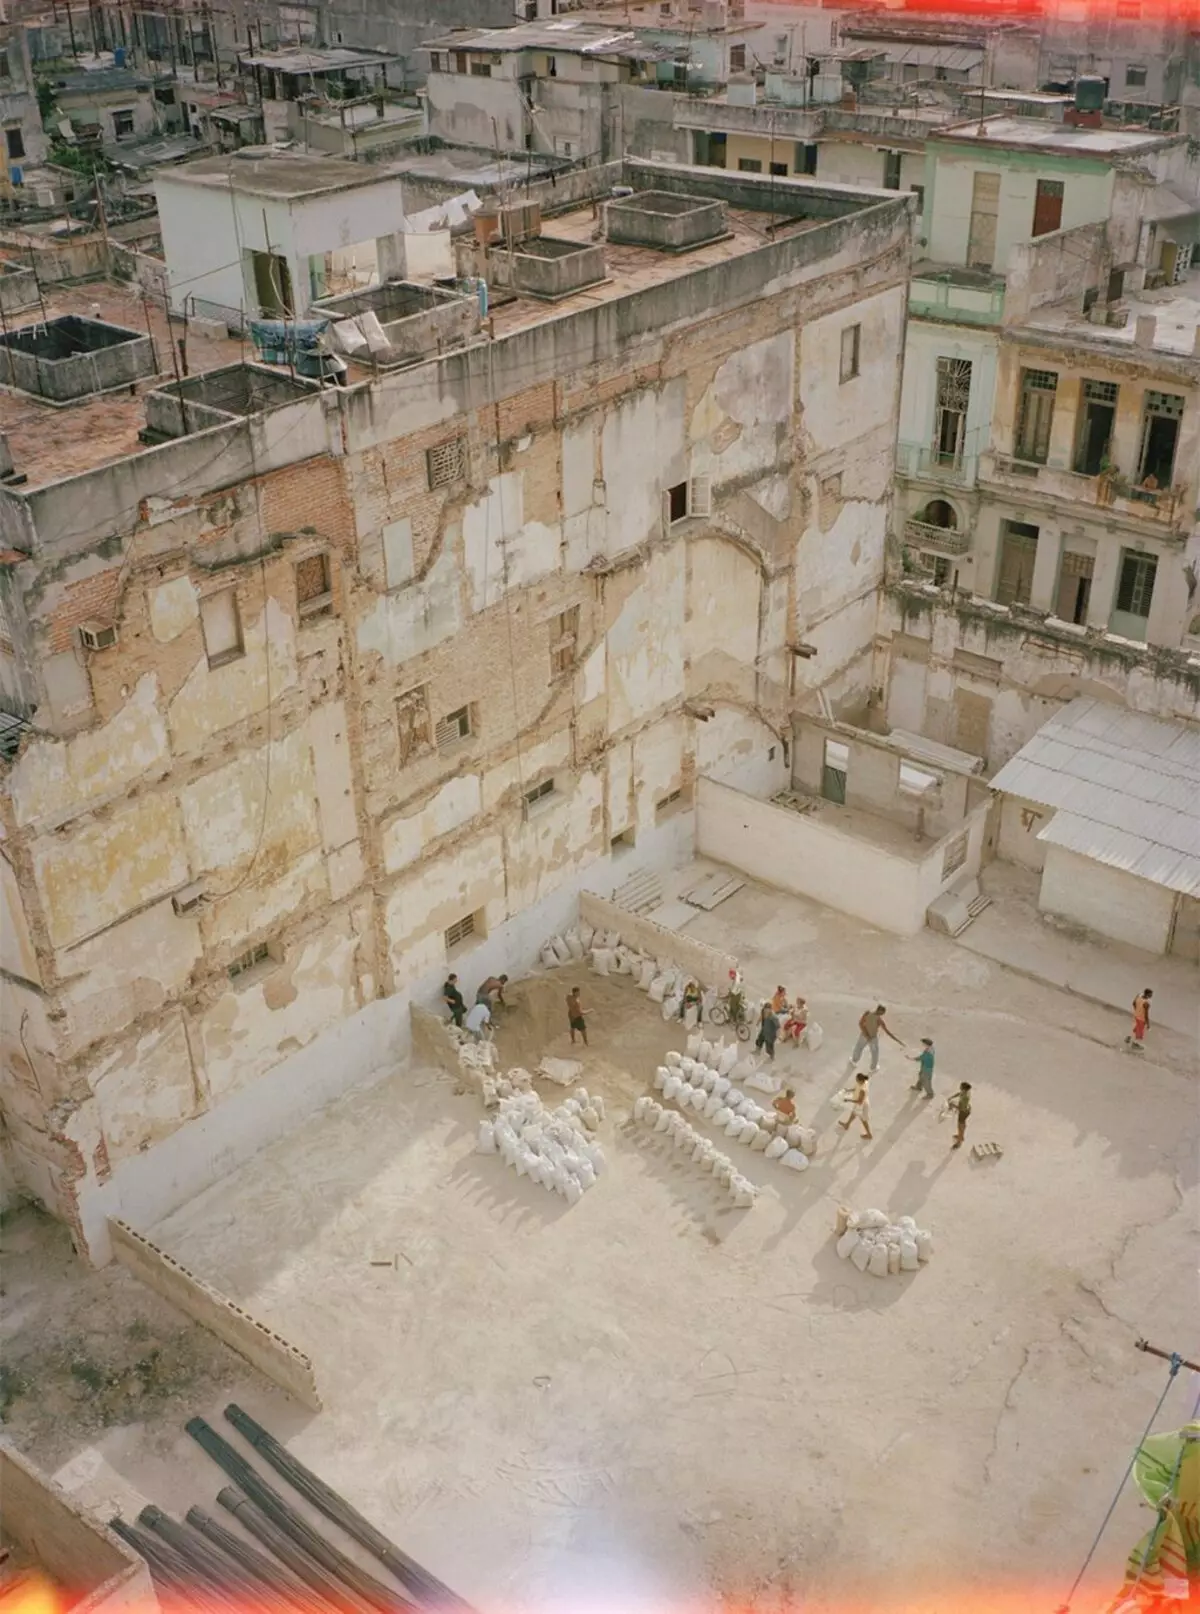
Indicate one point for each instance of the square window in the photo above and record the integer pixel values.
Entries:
(122, 124)
(564, 637)
(737, 58)
(481, 69)
(314, 595)
(14, 140)
(540, 792)
(1135, 77)
(454, 729)
(447, 463)
(412, 723)
(749, 165)
(460, 932)
(778, 169)
(222, 626)
(849, 358)
(435, 61)
(249, 960)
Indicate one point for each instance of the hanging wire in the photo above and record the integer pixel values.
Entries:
(1163, 1508)
(1176, 1362)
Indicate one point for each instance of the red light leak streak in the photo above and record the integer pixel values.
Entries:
(1127, 14)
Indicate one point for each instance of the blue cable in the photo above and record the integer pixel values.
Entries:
(1176, 1364)
(1161, 1525)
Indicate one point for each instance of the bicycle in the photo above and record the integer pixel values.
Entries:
(730, 1009)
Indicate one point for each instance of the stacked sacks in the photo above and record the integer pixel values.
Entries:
(549, 1147)
(497, 1087)
(880, 1246)
(649, 1112)
(691, 1083)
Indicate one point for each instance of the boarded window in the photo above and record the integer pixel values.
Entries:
(412, 722)
(314, 597)
(955, 855)
(1047, 206)
(564, 638)
(848, 367)
(447, 463)
(460, 931)
(222, 624)
(453, 729)
(985, 210)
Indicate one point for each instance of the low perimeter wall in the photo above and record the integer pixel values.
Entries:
(264, 1349)
(709, 965)
(811, 857)
(83, 1557)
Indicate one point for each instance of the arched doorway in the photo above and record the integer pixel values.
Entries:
(939, 513)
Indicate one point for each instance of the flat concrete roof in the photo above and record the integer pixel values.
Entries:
(1175, 309)
(570, 35)
(278, 173)
(1036, 134)
(318, 61)
(477, 169)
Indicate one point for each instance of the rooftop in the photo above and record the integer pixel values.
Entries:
(1175, 309)
(1062, 139)
(570, 35)
(333, 60)
(103, 81)
(1126, 789)
(260, 171)
(478, 170)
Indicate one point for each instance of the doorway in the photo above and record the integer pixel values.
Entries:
(272, 285)
(1160, 435)
(1047, 206)
(1018, 552)
(833, 774)
(950, 411)
(1074, 587)
(985, 210)
(1098, 410)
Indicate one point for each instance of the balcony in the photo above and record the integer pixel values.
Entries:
(1165, 507)
(965, 296)
(945, 540)
(923, 464)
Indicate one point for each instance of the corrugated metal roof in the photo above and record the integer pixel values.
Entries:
(1125, 790)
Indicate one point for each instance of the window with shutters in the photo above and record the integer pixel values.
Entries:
(1035, 415)
(1047, 206)
(314, 596)
(447, 463)
(1018, 555)
(540, 794)
(1162, 413)
(690, 498)
(848, 367)
(564, 638)
(453, 729)
(950, 411)
(412, 723)
(737, 58)
(673, 802)
(254, 959)
(1097, 411)
(222, 626)
(1135, 588)
(461, 931)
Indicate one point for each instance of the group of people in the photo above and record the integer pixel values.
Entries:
(871, 1024)
(778, 1018)
(478, 1018)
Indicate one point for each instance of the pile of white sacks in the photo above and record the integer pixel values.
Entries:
(649, 1112)
(880, 1246)
(550, 1147)
(663, 981)
(692, 1083)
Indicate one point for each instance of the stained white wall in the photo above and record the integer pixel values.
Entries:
(1108, 901)
(1087, 195)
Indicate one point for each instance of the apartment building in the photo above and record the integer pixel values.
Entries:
(1050, 425)
(313, 692)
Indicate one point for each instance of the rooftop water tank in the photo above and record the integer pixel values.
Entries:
(1089, 93)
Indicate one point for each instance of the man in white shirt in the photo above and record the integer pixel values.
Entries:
(479, 1020)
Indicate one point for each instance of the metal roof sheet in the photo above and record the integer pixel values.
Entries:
(1125, 789)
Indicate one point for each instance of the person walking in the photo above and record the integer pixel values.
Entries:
(479, 1021)
(453, 999)
(924, 1064)
(870, 1023)
(576, 1017)
(860, 1105)
(492, 991)
(960, 1104)
(1136, 1040)
(768, 1030)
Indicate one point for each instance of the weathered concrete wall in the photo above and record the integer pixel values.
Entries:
(708, 964)
(83, 1557)
(262, 1347)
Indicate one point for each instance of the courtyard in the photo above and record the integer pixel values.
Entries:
(651, 1395)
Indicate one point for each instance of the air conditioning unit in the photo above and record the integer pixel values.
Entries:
(98, 635)
(189, 898)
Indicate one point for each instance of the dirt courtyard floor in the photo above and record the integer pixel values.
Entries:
(649, 1395)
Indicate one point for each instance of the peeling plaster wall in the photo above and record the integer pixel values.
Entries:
(239, 870)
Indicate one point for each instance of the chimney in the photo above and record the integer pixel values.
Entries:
(1144, 328)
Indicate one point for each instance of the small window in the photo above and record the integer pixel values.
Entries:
(412, 723)
(850, 342)
(551, 67)
(460, 61)
(250, 959)
(955, 855)
(447, 463)
(222, 625)
(1135, 589)
(891, 170)
(564, 639)
(539, 792)
(690, 498)
(314, 596)
(676, 502)
(938, 567)
(14, 140)
(436, 62)
(833, 774)
(737, 58)
(462, 930)
(624, 842)
(454, 729)
(481, 69)
(749, 165)
(122, 124)
(778, 169)
(915, 781)
(666, 805)
(919, 192)
(1135, 77)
